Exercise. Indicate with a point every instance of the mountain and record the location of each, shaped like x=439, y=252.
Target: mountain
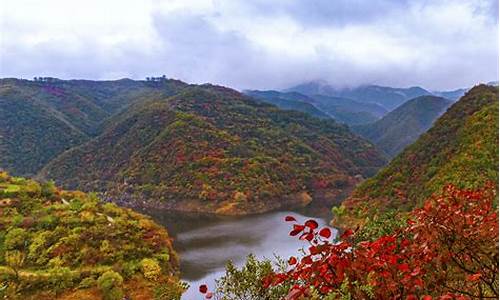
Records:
x=452, y=95
x=349, y=111
x=317, y=87
x=461, y=148
x=343, y=110
x=405, y=124
x=57, y=244
x=288, y=101
x=388, y=97
x=212, y=149
x=41, y=119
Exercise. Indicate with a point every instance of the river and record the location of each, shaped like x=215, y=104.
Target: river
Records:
x=206, y=243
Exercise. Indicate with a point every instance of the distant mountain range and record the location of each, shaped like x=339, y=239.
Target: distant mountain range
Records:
x=461, y=148
x=179, y=146
x=387, y=97
x=342, y=110
x=288, y=101
x=402, y=126
x=352, y=106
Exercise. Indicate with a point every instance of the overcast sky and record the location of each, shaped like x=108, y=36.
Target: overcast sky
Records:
x=438, y=44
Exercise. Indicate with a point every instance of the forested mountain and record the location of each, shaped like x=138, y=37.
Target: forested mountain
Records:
x=212, y=149
x=57, y=244
x=288, y=101
x=342, y=110
x=40, y=119
x=348, y=111
x=388, y=97
x=460, y=149
x=405, y=124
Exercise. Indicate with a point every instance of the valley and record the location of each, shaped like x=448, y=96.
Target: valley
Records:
x=221, y=171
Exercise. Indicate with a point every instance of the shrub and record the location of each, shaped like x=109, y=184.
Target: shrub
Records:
x=16, y=238
x=170, y=290
x=150, y=269
x=48, y=189
x=110, y=284
x=248, y=282
x=447, y=249
x=87, y=282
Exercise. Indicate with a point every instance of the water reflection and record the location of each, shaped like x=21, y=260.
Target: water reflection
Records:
x=206, y=243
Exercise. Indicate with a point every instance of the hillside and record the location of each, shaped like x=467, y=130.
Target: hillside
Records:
x=41, y=119
x=402, y=126
x=461, y=149
x=58, y=244
x=288, y=101
x=212, y=149
x=388, y=97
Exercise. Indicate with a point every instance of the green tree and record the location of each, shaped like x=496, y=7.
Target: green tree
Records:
x=110, y=283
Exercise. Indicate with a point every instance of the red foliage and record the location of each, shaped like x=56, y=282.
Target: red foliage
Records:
x=448, y=250
x=319, y=184
x=203, y=289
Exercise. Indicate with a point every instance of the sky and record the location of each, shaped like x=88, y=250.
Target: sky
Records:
x=254, y=44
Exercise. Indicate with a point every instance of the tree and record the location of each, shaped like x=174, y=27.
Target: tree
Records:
x=110, y=283
x=448, y=250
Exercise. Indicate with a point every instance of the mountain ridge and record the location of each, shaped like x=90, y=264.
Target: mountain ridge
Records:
x=215, y=138
x=402, y=126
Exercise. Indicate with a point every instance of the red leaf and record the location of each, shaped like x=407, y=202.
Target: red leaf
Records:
x=306, y=260
x=474, y=277
x=311, y=224
x=209, y=295
x=403, y=268
x=290, y=219
x=427, y=297
x=298, y=227
x=295, y=232
x=203, y=288
x=292, y=260
x=346, y=234
x=428, y=206
x=307, y=236
x=325, y=232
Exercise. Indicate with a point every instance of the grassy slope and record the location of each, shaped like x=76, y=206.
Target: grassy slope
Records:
x=461, y=148
x=402, y=126
x=212, y=149
x=68, y=239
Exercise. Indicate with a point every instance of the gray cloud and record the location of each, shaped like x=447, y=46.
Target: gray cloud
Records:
x=440, y=44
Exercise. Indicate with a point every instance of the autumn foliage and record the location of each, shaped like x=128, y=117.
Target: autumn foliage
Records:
x=448, y=250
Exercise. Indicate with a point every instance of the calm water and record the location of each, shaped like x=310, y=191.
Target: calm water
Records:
x=206, y=243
